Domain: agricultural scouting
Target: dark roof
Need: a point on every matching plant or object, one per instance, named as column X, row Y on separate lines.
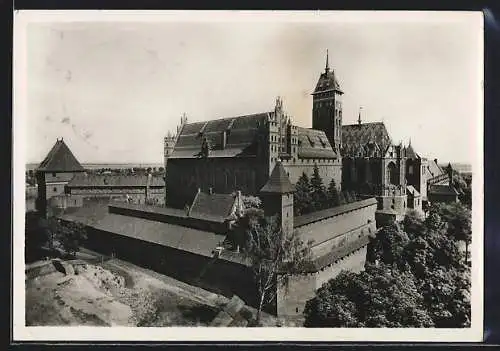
column 241, row 137
column 212, row 205
column 410, row 153
column 60, row 159
column 278, row 182
column 433, row 169
column 314, row 144
column 360, row 139
column 327, row 82
column 320, row 215
column 87, row 214
column 178, row 237
column 103, row 180
column 442, row 190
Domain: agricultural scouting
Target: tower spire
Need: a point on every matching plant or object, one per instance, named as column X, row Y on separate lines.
column 327, row 66
column 359, row 115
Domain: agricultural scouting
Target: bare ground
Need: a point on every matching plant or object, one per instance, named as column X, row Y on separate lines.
column 112, row 295
column 118, row 293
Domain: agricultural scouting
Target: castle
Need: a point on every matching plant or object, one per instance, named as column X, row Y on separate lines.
column 239, row 153
column 209, row 165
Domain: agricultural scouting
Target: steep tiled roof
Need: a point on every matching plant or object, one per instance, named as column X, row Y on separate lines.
column 278, row 182
column 433, row 169
column 442, row 190
column 104, row 180
column 314, row 144
column 87, row 214
column 178, row 237
column 330, row 212
column 60, row 159
column 241, row 139
column 327, row 82
column 358, row 138
column 212, row 205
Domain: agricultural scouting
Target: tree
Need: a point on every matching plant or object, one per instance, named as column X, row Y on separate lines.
column 429, row 261
column 251, row 201
column 389, row 246
column 342, row 200
column 270, row 251
column 318, row 191
column 347, row 197
column 354, row 197
column 333, row 194
column 458, row 219
column 413, row 223
column 376, row 297
column 68, row 235
column 302, row 196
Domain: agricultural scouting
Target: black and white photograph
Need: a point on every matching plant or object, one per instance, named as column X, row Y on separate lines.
column 265, row 175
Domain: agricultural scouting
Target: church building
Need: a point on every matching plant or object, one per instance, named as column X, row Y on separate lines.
column 239, row 153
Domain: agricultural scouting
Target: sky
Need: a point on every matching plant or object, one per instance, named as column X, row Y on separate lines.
column 113, row 89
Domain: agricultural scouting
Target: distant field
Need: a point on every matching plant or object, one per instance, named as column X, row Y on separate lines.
column 460, row 167
column 32, row 166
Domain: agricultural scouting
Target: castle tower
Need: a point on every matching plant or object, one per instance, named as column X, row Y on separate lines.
column 327, row 107
column 277, row 197
column 168, row 147
column 54, row 173
column 171, row 139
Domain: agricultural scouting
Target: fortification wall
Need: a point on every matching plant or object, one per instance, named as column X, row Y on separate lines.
column 339, row 230
column 328, row 169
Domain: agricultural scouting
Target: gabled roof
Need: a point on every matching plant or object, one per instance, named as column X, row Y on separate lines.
column 278, row 182
column 241, row 137
column 433, row 169
column 314, row 144
column 213, row 205
column 106, row 181
column 60, row 159
column 356, row 137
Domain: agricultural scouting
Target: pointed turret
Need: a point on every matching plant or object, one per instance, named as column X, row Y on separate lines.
column 327, row 66
column 277, row 197
column 278, row 182
column 54, row 173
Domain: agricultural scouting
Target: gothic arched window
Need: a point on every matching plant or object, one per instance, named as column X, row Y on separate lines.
column 392, row 174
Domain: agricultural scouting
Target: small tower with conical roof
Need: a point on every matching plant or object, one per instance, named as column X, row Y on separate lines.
column 277, row 197
column 54, row 173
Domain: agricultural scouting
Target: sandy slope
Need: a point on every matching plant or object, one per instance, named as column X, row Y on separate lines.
column 115, row 296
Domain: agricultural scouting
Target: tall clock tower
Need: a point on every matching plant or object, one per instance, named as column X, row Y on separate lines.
column 327, row 107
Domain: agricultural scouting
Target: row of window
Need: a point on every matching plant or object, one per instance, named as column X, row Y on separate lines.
column 275, row 139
